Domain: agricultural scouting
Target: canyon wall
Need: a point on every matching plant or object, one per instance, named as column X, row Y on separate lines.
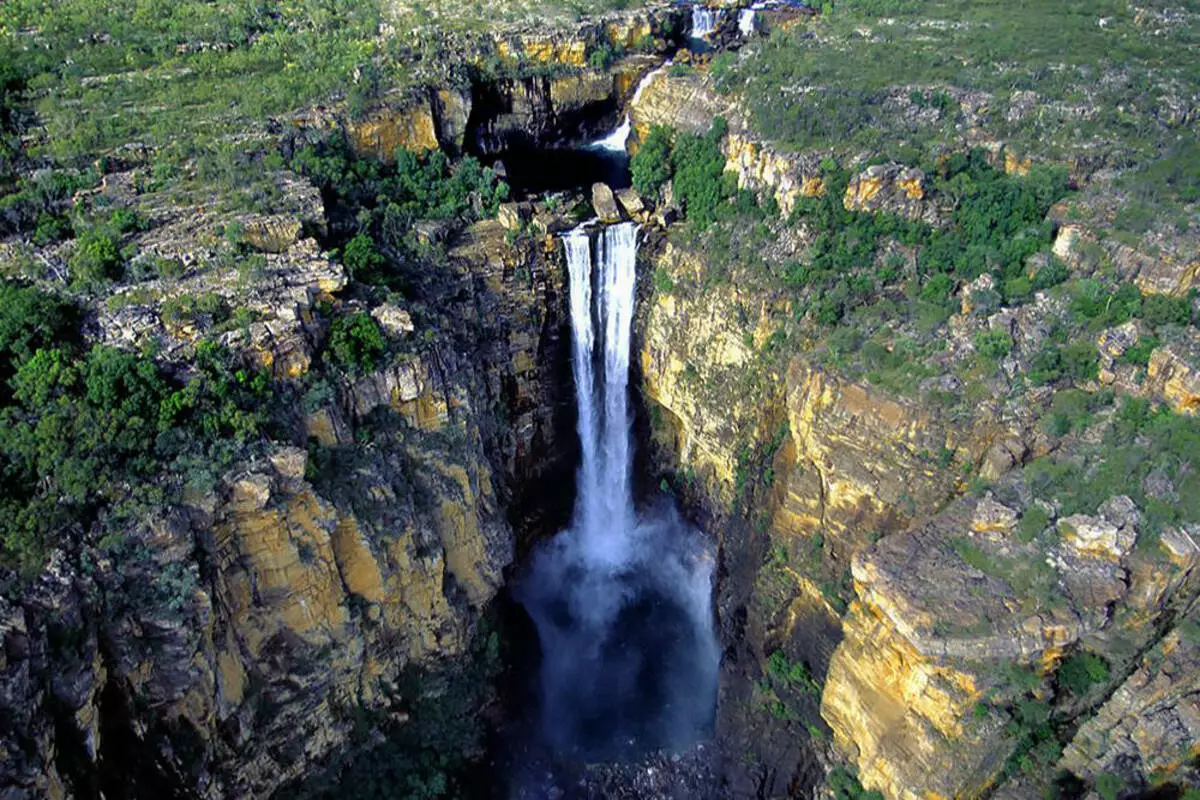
column 237, row 641
column 874, row 608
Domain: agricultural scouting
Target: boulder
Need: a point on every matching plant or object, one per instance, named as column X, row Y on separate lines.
column 604, row 202
column 513, row 215
column 1109, row 535
column 632, row 202
column 395, row 321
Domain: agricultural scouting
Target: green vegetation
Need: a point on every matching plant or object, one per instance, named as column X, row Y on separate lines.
column 843, row 782
column 695, row 165
column 698, row 165
column 86, row 429
column 1056, row 50
column 356, row 342
column 993, row 345
column 1033, row 582
column 792, row 674
column 1139, row 441
column 386, row 200
column 998, row 223
column 1075, row 409
column 1081, row 671
column 1036, row 745
column 180, row 73
column 1108, row 786
column 1033, row 522
column 650, row 166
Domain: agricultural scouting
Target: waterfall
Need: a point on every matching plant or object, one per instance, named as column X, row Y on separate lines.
column 617, row 140
column 621, row 600
column 704, row 21
column 603, row 515
column 746, row 22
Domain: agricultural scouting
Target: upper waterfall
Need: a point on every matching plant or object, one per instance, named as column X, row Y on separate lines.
column 704, row 21
column 746, row 18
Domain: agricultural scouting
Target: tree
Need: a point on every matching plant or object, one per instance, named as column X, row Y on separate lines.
column 362, row 260
column 356, row 342
column 698, row 165
column 650, row 166
column 31, row 320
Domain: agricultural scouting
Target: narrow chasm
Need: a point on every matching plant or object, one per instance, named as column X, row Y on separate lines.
column 608, row 617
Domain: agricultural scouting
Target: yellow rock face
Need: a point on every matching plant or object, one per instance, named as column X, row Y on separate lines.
column 1014, row 165
column 1172, row 376
column 759, row 167
column 861, row 192
column 383, row 132
column 289, row 561
column 897, row 711
column 912, row 188
column 578, row 90
column 359, row 569
column 627, row 34
column 568, row 52
column 857, row 451
column 693, row 355
column 813, row 186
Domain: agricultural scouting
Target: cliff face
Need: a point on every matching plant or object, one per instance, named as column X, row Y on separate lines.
column 867, row 600
column 236, row 641
column 943, row 608
column 840, row 463
column 856, row 502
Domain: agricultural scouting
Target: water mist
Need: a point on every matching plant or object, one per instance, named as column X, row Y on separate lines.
column 621, row 599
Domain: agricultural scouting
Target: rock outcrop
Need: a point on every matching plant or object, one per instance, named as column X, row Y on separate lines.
column 1151, row 723
column 1173, row 375
column 893, row 189
column 946, row 608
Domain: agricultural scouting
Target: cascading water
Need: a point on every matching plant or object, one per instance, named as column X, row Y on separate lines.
column 746, row 19
column 621, row 600
column 617, row 140
column 704, row 21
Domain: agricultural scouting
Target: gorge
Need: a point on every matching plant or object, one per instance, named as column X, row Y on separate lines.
column 744, row 401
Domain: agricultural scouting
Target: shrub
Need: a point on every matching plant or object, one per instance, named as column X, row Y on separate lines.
column 362, row 260
column 993, row 345
column 356, row 342
column 30, row 320
column 662, row 281
column 1050, row 275
column 698, row 166
column 601, row 58
column 1159, row 309
column 1077, row 361
column 1139, row 354
column 845, row 786
column 1033, row 522
column 1109, row 786
column 97, row 258
column 937, row 288
column 188, row 308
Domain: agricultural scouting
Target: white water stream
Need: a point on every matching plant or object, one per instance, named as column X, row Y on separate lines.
column 617, row 141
